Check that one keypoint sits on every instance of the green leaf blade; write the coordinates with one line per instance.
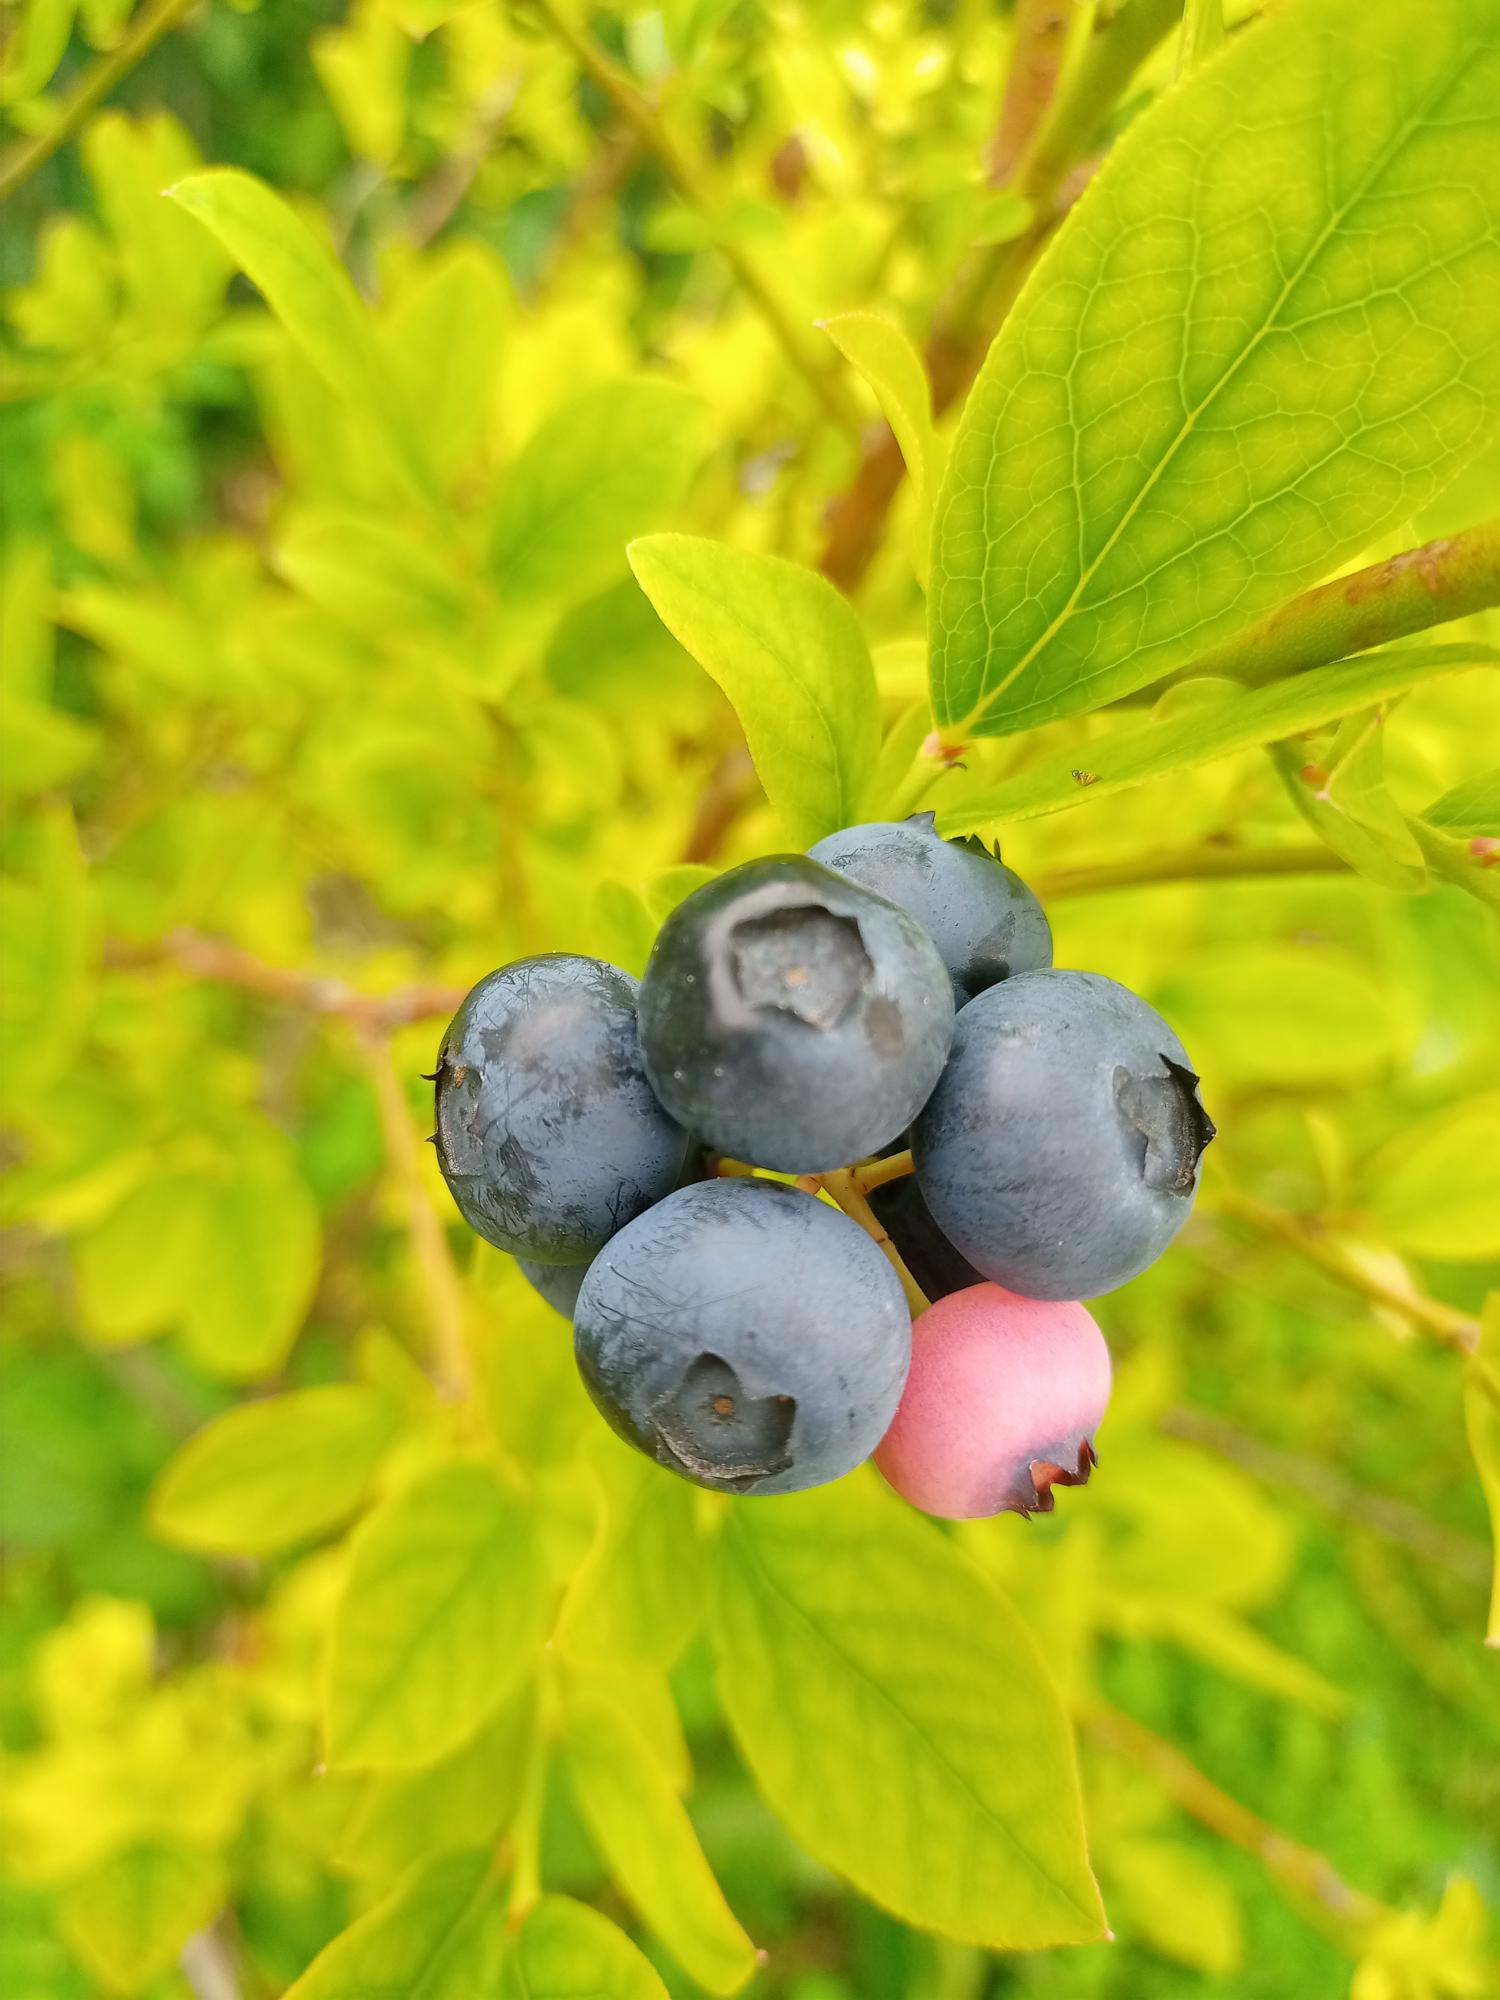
(1237, 720)
(440, 1935)
(444, 1613)
(883, 355)
(1215, 389)
(566, 1951)
(311, 294)
(898, 1718)
(275, 1472)
(638, 1595)
(788, 652)
(128, 1917)
(611, 462)
(642, 1831)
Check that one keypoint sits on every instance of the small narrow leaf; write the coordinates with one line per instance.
(439, 1936)
(644, 1835)
(896, 1714)
(566, 1951)
(1342, 795)
(444, 1613)
(1472, 861)
(34, 47)
(612, 462)
(311, 294)
(788, 652)
(1231, 721)
(886, 359)
(1249, 352)
(275, 1472)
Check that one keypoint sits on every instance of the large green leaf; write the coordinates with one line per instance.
(638, 1595)
(444, 1613)
(614, 461)
(789, 653)
(898, 1717)
(1435, 1190)
(566, 1951)
(465, 1800)
(311, 294)
(642, 1830)
(250, 1276)
(1283, 1014)
(274, 1472)
(439, 1936)
(1251, 350)
(1216, 725)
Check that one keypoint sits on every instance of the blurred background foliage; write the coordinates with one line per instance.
(288, 748)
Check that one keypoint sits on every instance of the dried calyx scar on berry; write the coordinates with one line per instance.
(793, 1019)
(746, 1336)
(797, 1015)
(1061, 1150)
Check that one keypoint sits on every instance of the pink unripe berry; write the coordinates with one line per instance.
(1001, 1405)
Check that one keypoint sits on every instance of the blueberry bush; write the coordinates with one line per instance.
(821, 637)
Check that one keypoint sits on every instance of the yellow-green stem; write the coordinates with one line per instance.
(844, 1190)
(1444, 1323)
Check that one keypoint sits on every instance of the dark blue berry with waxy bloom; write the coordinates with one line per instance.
(1060, 1152)
(746, 1336)
(548, 1133)
(792, 1018)
(983, 919)
(558, 1284)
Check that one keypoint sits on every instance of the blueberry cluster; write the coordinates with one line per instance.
(805, 1014)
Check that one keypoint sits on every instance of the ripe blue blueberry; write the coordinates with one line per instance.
(792, 1018)
(983, 919)
(938, 1268)
(746, 1336)
(548, 1134)
(1060, 1152)
(557, 1283)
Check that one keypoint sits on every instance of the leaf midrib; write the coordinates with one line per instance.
(985, 1812)
(421, 1640)
(1335, 220)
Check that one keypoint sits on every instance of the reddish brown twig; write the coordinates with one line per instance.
(1405, 593)
(1039, 38)
(1049, 179)
(227, 965)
